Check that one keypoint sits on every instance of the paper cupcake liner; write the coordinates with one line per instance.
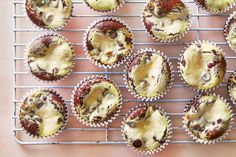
(167, 40)
(131, 89)
(214, 11)
(110, 117)
(46, 28)
(98, 63)
(229, 87)
(66, 114)
(106, 11)
(226, 29)
(162, 146)
(203, 141)
(180, 59)
(26, 58)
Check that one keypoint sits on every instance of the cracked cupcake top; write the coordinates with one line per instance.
(231, 86)
(50, 14)
(203, 65)
(216, 5)
(207, 117)
(43, 113)
(166, 20)
(146, 128)
(103, 5)
(96, 100)
(149, 74)
(109, 42)
(50, 57)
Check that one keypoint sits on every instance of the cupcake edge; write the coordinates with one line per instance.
(66, 114)
(26, 57)
(162, 146)
(215, 12)
(111, 117)
(166, 40)
(202, 141)
(96, 62)
(106, 11)
(132, 91)
(226, 29)
(180, 60)
(46, 28)
(228, 88)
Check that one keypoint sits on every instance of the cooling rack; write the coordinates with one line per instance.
(204, 26)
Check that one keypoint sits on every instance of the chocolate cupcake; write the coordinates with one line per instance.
(96, 101)
(207, 118)
(49, 14)
(50, 57)
(43, 113)
(108, 42)
(104, 5)
(147, 129)
(149, 74)
(230, 31)
(216, 6)
(231, 87)
(202, 65)
(166, 21)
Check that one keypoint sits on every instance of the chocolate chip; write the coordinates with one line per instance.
(55, 71)
(39, 105)
(213, 123)
(97, 118)
(219, 121)
(154, 138)
(60, 120)
(137, 143)
(113, 34)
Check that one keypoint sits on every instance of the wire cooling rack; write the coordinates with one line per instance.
(75, 133)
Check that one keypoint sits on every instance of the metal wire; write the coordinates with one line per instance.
(105, 129)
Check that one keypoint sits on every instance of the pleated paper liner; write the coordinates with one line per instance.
(43, 36)
(98, 63)
(131, 88)
(109, 118)
(180, 60)
(162, 146)
(66, 114)
(174, 39)
(204, 141)
(46, 27)
(231, 84)
(229, 25)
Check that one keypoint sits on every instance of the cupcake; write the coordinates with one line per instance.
(207, 118)
(43, 113)
(149, 74)
(108, 42)
(50, 57)
(230, 31)
(216, 6)
(202, 65)
(104, 5)
(146, 129)
(49, 14)
(231, 86)
(96, 101)
(165, 20)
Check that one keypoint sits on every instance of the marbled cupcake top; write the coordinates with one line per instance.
(109, 42)
(215, 5)
(207, 117)
(166, 20)
(50, 14)
(50, 57)
(231, 86)
(149, 74)
(43, 113)
(146, 128)
(104, 5)
(96, 100)
(203, 65)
